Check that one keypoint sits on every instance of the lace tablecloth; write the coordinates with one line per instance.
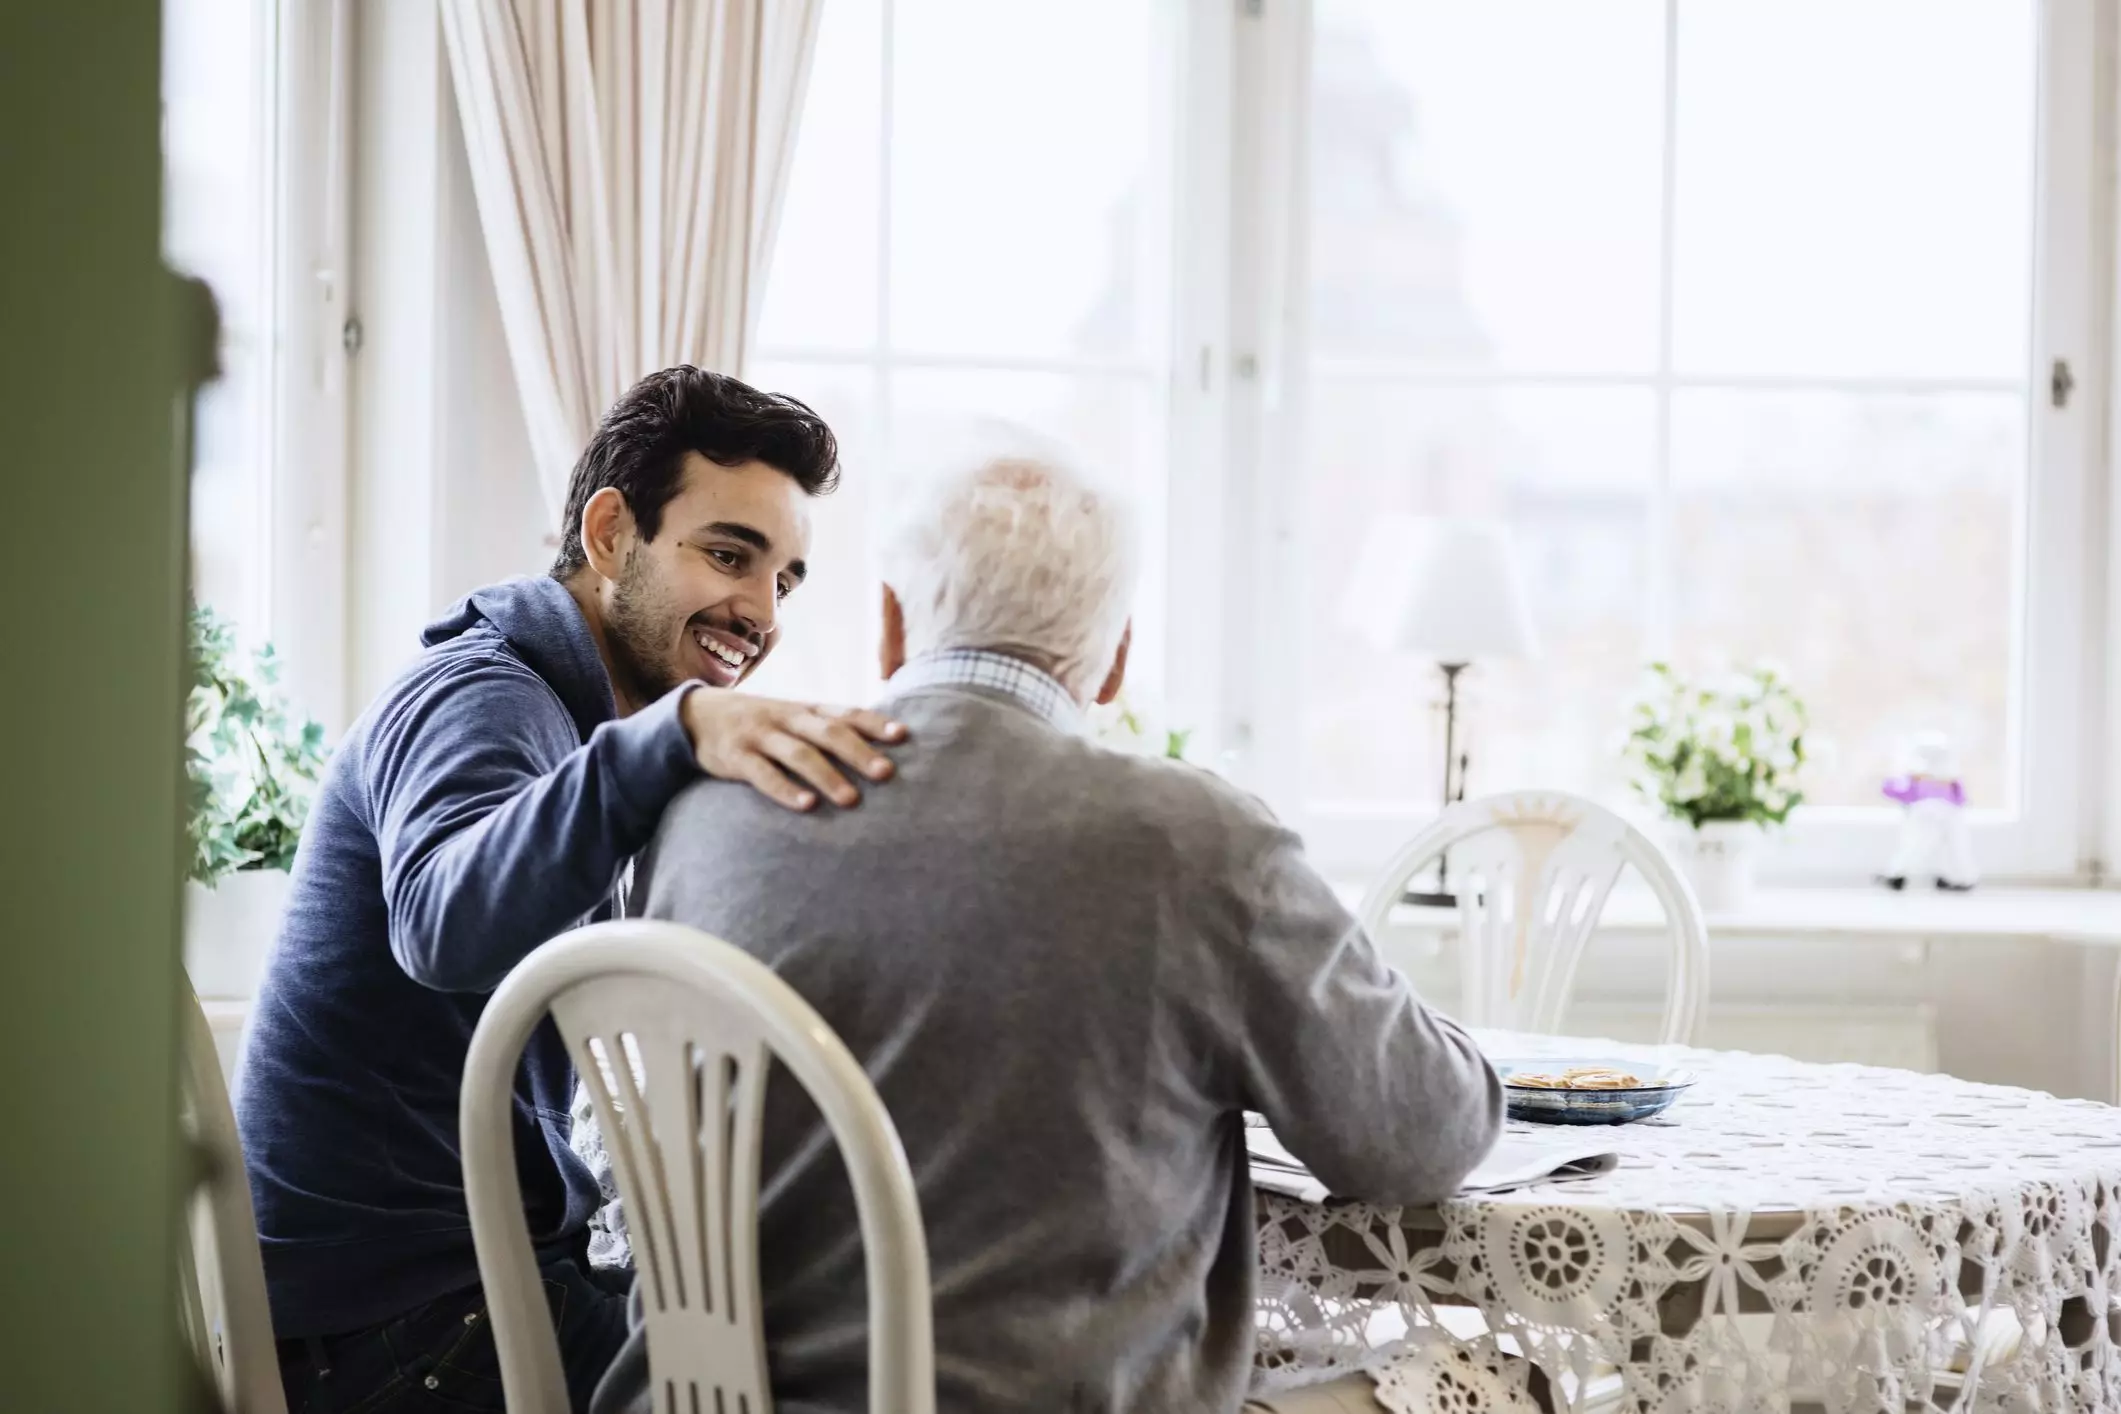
(1855, 1238)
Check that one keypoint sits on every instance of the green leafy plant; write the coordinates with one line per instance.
(1730, 748)
(1127, 729)
(251, 761)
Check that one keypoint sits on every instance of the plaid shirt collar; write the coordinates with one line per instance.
(1036, 691)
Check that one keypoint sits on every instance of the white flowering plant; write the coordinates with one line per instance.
(1728, 748)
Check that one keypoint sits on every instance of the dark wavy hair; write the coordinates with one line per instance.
(640, 447)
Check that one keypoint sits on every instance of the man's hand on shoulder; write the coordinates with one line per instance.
(791, 752)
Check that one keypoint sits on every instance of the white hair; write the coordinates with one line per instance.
(1019, 553)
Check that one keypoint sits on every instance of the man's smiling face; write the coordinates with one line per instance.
(702, 599)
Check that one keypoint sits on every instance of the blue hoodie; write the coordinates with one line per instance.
(487, 801)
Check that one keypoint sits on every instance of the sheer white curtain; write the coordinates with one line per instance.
(628, 158)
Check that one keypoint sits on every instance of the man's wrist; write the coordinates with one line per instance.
(683, 695)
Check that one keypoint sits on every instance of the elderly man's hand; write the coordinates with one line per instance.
(789, 751)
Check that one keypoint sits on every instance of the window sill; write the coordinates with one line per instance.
(2089, 917)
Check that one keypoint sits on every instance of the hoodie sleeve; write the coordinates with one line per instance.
(496, 830)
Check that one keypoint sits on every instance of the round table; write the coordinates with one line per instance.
(1839, 1236)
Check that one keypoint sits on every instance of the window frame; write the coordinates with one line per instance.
(2050, 832)
(316, 337)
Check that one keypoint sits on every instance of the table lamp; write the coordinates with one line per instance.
(1446, 588)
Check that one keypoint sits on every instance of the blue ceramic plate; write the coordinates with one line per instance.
(1662, 1084)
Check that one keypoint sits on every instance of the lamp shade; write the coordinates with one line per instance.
(1444, 587)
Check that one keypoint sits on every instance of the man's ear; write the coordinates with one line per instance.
(607, 532)
(891, 646)
(1117, 678)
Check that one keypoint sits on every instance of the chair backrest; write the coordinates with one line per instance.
(1531, 872)
(221, 1283)
(672, 1032)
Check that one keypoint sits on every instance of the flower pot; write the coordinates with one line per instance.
(228, 929)
(1720, 858)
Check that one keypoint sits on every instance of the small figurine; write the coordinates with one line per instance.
(1934, 841)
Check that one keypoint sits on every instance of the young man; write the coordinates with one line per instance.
(488, 800)
(1069, 973)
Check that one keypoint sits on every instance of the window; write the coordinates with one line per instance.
(1740, 315)
(255, 142)
(971, 228)
(217, 224)
(1744, 315)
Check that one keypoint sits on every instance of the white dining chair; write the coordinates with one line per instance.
(673, 1032)
(1532, 872)
(221, 1277)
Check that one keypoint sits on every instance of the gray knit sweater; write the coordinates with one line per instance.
(1069, 972)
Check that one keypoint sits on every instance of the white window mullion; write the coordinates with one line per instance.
(1269, 393)
(2057, 694)
(1201, 540)
(2100, 820)
(310, 441)
(1661, 579)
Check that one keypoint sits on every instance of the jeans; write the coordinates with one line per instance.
(440, 1359)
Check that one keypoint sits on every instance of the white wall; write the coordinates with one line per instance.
(2007, 1011)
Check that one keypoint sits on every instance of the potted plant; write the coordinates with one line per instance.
(1721, 758)
(252, 764)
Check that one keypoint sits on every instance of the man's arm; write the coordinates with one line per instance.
(1382, 1098)
(497, 831)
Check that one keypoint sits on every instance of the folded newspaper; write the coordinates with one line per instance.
(1518, 1160)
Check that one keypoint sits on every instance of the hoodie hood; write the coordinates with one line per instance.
(540, 620)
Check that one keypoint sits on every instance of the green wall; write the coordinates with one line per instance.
(89, 717)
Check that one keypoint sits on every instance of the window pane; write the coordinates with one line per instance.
(1479, 200)
(827, 647)
(1570, 471)
(1029, 178)
(215, 226)
(1869, 542)
(822, 290)
(1855, 185)
(1115, 424)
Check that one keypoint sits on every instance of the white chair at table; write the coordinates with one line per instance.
(672, 1032)
(222, 1272)
(1531, 873)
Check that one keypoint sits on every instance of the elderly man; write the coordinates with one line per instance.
(1069, 973)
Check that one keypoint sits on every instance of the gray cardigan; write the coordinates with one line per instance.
(1068, 971)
